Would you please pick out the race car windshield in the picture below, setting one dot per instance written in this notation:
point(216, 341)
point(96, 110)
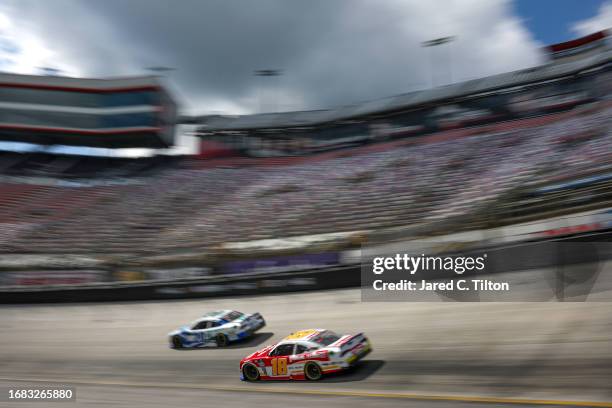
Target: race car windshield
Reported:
point(326, 338)
point(232, 316)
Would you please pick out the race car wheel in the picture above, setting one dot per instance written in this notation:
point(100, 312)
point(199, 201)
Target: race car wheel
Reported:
point(222, 340)
point(176, 342)
point(251, 373)
point(312, 371)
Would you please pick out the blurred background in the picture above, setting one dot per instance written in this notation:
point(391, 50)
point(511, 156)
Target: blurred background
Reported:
point(208, 150)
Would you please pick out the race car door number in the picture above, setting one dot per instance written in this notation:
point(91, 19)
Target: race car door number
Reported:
point(279, 366)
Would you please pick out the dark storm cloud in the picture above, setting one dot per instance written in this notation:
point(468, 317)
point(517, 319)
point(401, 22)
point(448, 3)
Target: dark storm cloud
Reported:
point(216, 46)
point(331, 51)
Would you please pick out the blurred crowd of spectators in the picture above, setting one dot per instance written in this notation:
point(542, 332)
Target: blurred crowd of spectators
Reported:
point(185, 206)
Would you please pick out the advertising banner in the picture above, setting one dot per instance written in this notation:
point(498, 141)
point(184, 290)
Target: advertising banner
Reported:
point(282, 264)
point(52, 277)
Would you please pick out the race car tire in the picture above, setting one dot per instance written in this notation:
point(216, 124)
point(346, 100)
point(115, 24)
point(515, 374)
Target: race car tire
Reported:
point(312, 371)
point(177, 342)
point(250, 372)
point(221, 340)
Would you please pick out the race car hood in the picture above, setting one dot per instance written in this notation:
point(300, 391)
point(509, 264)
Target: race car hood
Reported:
point(182, 330)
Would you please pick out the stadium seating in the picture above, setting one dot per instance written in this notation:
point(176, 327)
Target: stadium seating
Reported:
point(84, 205)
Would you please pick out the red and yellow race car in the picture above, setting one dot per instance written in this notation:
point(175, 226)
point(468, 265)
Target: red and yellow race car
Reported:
point(305, 355)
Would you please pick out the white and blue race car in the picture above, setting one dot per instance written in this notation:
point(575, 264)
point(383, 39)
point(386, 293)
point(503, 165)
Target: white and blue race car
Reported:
point(216, 329)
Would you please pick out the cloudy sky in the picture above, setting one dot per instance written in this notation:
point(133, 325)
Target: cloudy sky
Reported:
point(331, 52)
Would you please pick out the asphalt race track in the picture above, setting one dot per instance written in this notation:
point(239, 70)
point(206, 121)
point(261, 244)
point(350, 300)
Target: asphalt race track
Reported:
point(435, 354)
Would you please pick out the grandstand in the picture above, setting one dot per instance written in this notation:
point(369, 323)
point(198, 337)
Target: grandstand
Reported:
point(479, 154)
point(562, 83)
point(111, 113)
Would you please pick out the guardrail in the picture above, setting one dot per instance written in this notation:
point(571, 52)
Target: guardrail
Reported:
point(225, 285)
point(265, 283)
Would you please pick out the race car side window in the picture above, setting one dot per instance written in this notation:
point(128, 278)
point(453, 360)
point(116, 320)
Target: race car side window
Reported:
point(211, 325)
point(299, 349)
point(199, 326)
point(283, 350)
point(231, 316)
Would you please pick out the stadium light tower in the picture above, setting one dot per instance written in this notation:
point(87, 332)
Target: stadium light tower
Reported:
point(160, 70)
point(50, 71)
point(435, 43)
point(266, 73)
